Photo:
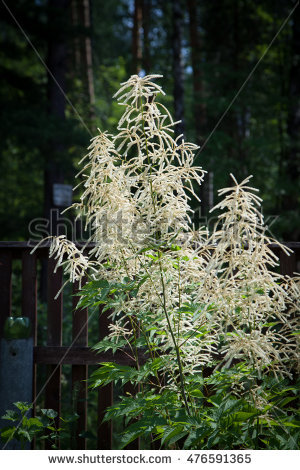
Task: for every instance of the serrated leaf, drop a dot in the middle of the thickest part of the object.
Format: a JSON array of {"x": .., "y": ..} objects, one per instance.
[
  {"x": 34, "y": 422},
  {"x": 108, "y": 343},
  {"x": 11, "y": 415},
  {"x": 169, "y": 432},
  {"x": 24, "y": 433},
  {"x": 22, "y": 406},
  {"x": 7, "y": 433},
  {"x": 196, "y": 393},
  {"x": 243, "y": 416},
  {"x": 49, "y": 413}
]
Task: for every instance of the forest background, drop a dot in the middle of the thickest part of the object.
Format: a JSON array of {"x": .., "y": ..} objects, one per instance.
[{"x": 61, "y": 61}]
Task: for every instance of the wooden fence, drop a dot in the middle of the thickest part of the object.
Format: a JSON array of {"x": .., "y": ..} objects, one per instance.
[{"x": 79, "y": 355}]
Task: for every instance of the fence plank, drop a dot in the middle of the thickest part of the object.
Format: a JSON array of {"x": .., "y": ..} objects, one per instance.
[
  {"x": 29, "y": 306},
  {"x": 287, "y": 263},
  {"x": 54, "y": 337},
  {"x": 55, "y": 306},
  {"x": 29, "y": 290},
  {"x": 78, "y": 355},
  {"x": 80, "y": 372},
  {"x": 105, "y": 394},
  {"x": 5, "y": 286}
]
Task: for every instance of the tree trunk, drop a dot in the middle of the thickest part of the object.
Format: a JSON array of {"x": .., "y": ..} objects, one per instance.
[
  {"x": 146, "y": 11},
  {"x": 196, "y": 47},
  {"x": 88, "y": 59},
  {"x": 291, "y": 202},
  {"x": 177, "y": 19},
  {"x": 82, "y": 47},
  {"x": 136, "y": 37},
  {"x": 56, "y": 88},
  {"x": 56, "y": 63},
  {"x": 199, "y": 107},
  {"x": 76, "y": 52}
]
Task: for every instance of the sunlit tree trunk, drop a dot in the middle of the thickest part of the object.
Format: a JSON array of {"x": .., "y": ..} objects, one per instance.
[
  {"x": 198, "y": 95},
  {"x": 197, "y": 60},
  {"x": 136, "y": 37},
  {"x": 146, "y": 11},
  {"x": 177, "y": 20},
  {"x": 88, "y": 59}
]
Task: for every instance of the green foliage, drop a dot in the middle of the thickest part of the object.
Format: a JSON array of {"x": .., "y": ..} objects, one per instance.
[
  {"x": 25, "y": 429},
  {"x": 111, "y": 372},
  {"x": 221, "y": 419},
  {"x": 42, "y": 426},
  {"x": 206, "y": 326},
  {"x": 225, "y": 414}
]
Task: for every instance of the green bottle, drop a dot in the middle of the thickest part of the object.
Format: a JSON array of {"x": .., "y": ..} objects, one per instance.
[{"x": 17, "y": 328}]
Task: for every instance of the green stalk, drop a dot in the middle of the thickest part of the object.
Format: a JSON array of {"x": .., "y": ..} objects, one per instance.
[
  {"x": 163, "y": 285},
  {"x": 174, "y": 340},
  {"x": 179, "y": 295}
]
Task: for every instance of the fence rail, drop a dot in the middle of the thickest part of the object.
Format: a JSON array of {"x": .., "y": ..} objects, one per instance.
[{"x": 54, "y": 355}]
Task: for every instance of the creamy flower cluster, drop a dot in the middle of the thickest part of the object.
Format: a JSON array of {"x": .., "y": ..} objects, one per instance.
[{"x": 213, "y": 295}]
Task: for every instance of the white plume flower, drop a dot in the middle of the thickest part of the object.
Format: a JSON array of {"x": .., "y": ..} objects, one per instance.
[{"x": 198, "y": 295}]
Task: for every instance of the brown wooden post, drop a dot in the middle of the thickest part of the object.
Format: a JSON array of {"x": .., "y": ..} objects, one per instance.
[
  {"x": 287, "y": 263},
  {"x": 29, "y": 306},
  {"x": 136, "y": 37},
  {"x": 29, "y": 290},
  {"x": 105, "y": 395},
  {"x": 54, "y": 333},
  {"x": 80, "y": 372},
  {"x": 5, "y": 286}
]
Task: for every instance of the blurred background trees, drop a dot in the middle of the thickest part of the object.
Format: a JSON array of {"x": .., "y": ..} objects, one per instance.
[{"x": 205, "y": 50}]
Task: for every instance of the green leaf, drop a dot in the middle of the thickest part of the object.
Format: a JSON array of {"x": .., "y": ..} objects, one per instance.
[
  {"x": 7, "y": 433},
  {"x": 95, "y": 285},
  {"x": 177, "y": 437},
  {"x": 241, "y": 416},
  {"x": 175, "y": 247},
  {"x": 25, "y": 434},
  {"x": 170, "y": 432},
  {"x": 110, "y": 372},
  {"x": 293, "y": 424},
  {"x": 11, "y": 415},
  {"x": 196, "y": 393},
  {"x": 22, "y": 406},
  {"x": 49, "y": 413},
  {"x": 285, "y": 401},
  {"x": 34, "y": 422},
  {"x": 133, "y": 432},
  {"x": 260, "y": 291},
  {"x": 110, "y": 343},
  {"x": 197, "y": 436},
  {"x": 274, "y": 323}
]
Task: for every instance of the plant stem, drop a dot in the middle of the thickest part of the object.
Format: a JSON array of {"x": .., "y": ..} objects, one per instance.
[
  {"x": 163, "y": 282},
  {"x": 173, "y": 338}
]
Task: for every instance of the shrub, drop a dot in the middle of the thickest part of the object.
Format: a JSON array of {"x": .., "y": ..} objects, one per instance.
[{"x": 209, "y": 326}]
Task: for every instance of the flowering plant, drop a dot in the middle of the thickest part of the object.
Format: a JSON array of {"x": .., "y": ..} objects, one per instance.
[{"x": 182, "y": 302}]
